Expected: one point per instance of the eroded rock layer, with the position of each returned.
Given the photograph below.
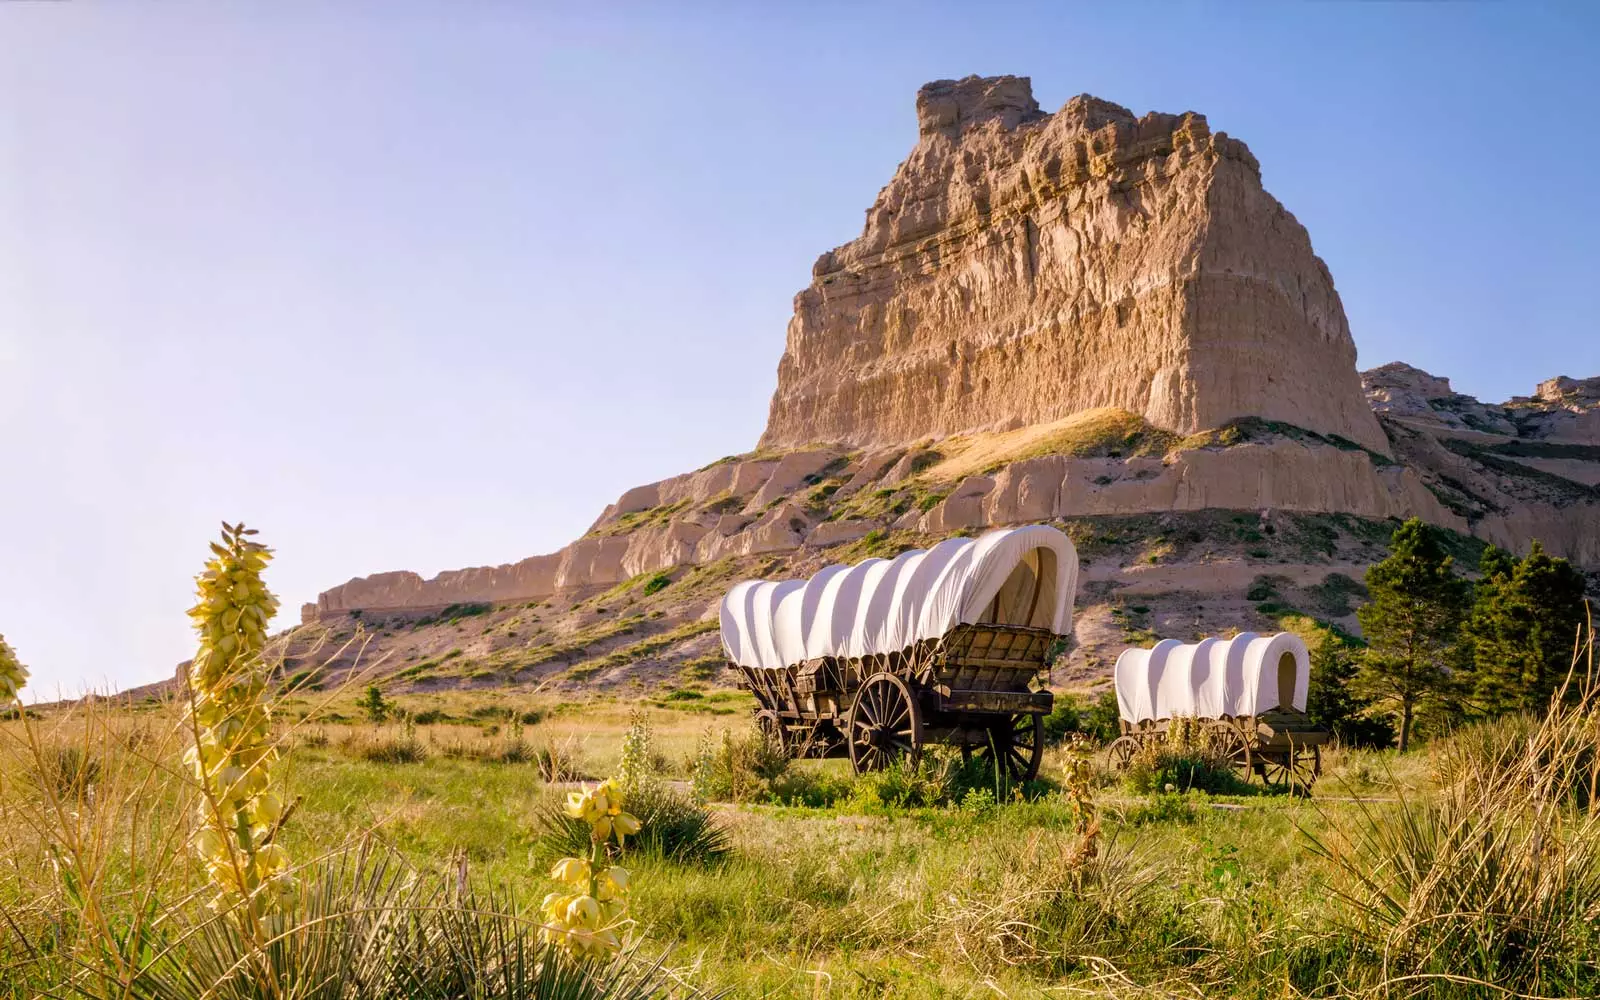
(1039, 308)
(1022, 266)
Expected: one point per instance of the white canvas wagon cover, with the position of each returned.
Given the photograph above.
(1248, 674)
(1015, 576)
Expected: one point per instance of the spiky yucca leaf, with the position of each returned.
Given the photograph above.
(368, 927)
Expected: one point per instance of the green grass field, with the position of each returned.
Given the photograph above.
(869, 895)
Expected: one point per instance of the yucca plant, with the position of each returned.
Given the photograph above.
(1492, 886)
(366, 926)
(677, 828)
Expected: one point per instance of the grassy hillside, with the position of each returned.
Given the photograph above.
(1181, 575)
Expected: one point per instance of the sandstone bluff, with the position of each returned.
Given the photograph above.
(1021, 267)
(1084, 317)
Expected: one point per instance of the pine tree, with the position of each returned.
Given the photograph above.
(1411, 624)
(1496, 683)
(1526, 615)
(1549, 602)
(1332, 701)
(374, 704)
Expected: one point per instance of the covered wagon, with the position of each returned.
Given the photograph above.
(1246, 694)
(876, 660)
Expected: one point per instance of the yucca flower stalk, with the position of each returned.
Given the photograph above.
(230, 716)
(586, 921)
(13, 675)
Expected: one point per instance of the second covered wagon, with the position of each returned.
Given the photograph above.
(950, 644)
(1247, 695)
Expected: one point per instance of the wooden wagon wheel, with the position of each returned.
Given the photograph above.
(1294, 769)
(1018, 743)
(1229, 744)
(1121, 752)
(773, 731)
(885, 722)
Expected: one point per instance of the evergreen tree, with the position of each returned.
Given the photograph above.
(1551, 597)
(1496, 682)
(1525, 620)
(1332, 701)
(1411, 624)
(374, 704)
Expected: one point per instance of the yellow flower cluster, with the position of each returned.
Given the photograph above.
(585, 919)
(230, 708)
(12, 674)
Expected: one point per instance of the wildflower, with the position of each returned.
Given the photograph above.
(12, 674)
(586, 922)
(230, 710)
(601, 808)
(573, 871)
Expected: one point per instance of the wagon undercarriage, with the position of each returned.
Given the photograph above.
(980, 688)
(1282, 748)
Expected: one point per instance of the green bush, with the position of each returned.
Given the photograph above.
(1098, 720)
(674, 827)
(799, 786)
(402, 749)
(738, 767)
(1185, 761)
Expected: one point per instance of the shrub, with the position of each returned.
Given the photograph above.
(801, 786)
(559, 761)
(513, 748)
(1489, 887)
(1185, 761)
(374, 928)
(70, 771)
(657, 583)
(737, 767)
(675, 828)
(402, 749)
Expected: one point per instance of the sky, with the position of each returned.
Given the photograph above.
(426, 285)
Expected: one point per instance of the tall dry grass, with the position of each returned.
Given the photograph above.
(103, 896)
(1491, 886)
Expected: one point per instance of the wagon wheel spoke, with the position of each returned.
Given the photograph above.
(1016, 764)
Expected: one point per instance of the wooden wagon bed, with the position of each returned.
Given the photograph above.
(981, 688)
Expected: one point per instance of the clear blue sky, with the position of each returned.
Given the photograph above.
(426, 285)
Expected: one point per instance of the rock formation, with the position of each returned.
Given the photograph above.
(1022, 270)
(1022, 266)
(1514, 471)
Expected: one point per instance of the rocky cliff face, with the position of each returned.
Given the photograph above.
(1511, 472)
(1083, 318)
(1021, 267)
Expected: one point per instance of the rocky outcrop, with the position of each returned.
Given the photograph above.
(1511, 472)
(1561, 410)
(1021, 267)
(729, 511)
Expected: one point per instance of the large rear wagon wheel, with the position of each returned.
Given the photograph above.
(885, 723)
(1018, 744)
(1230, 745)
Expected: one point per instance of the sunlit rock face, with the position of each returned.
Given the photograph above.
(1021, 266)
